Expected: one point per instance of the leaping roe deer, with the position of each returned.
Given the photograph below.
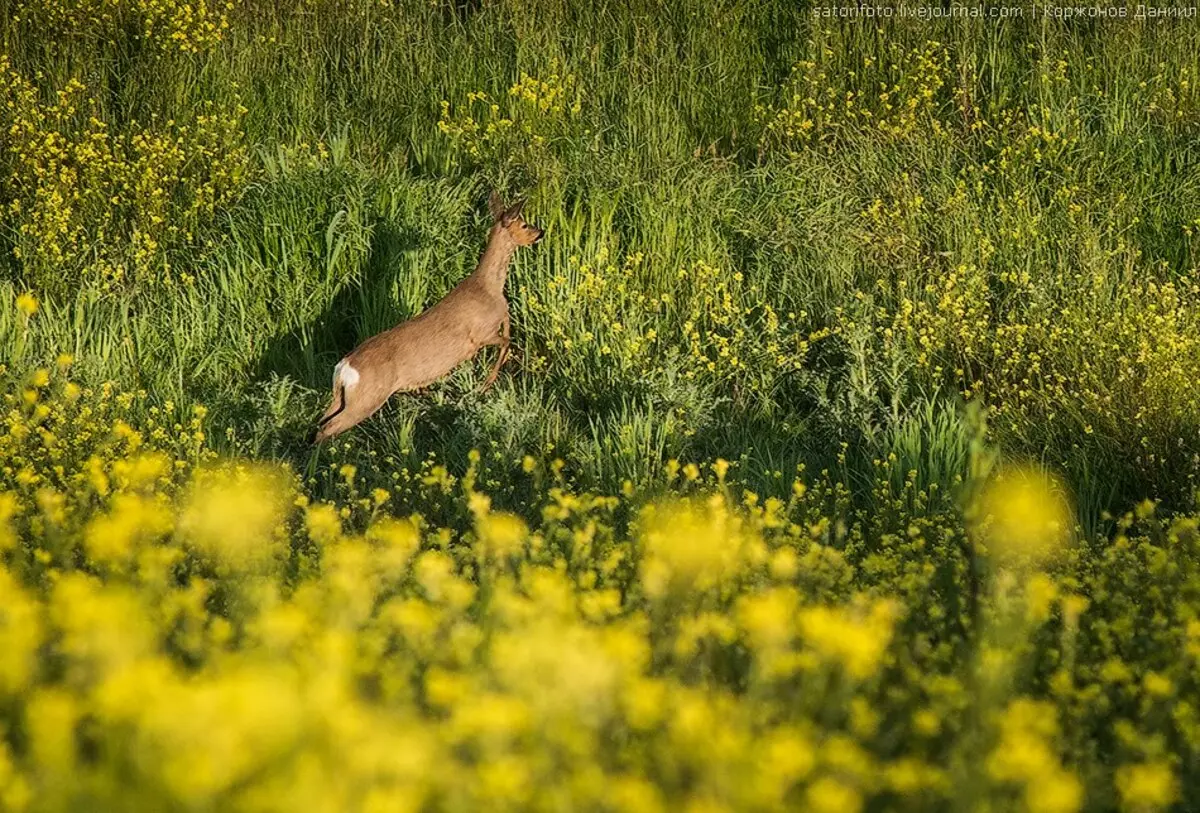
(416, 353)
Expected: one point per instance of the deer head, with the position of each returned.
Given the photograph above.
(510, 220)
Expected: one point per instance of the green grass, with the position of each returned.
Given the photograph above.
(867, 264)
(670, 157)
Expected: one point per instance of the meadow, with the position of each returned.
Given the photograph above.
(848, 462)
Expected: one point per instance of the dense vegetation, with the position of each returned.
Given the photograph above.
(849, 460)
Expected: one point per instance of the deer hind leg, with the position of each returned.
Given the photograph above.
(501, 339)
(335, 426)
(336, 407)
(343, 411)
(359, 407)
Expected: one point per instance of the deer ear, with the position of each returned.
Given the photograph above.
(514, 211)
(495, 205)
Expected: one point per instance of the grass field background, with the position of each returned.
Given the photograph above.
(863, 266)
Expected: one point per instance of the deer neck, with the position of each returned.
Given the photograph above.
(493, 265)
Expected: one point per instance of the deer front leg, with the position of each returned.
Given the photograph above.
(502, 340)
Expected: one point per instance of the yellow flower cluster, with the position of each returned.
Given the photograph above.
(1174, 98)
(701, 321)
(179, 631)
(1025, 756)
(188, 26)
(1024, 516)
(821, 104)
(86, 202)
(518, 129)
(1118, 368)
(381, 670)
(1147, 787)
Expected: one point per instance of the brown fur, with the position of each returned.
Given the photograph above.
(418, 352)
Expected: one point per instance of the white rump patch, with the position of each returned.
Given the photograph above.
(347, 374)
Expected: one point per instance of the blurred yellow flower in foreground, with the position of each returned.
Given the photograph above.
(235, 514)
(1150, 786)
(502, 534)
(174, 637)
(690, 546)
(855, 638)
(1023, 515)
(1025, 755)
(20, 636)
